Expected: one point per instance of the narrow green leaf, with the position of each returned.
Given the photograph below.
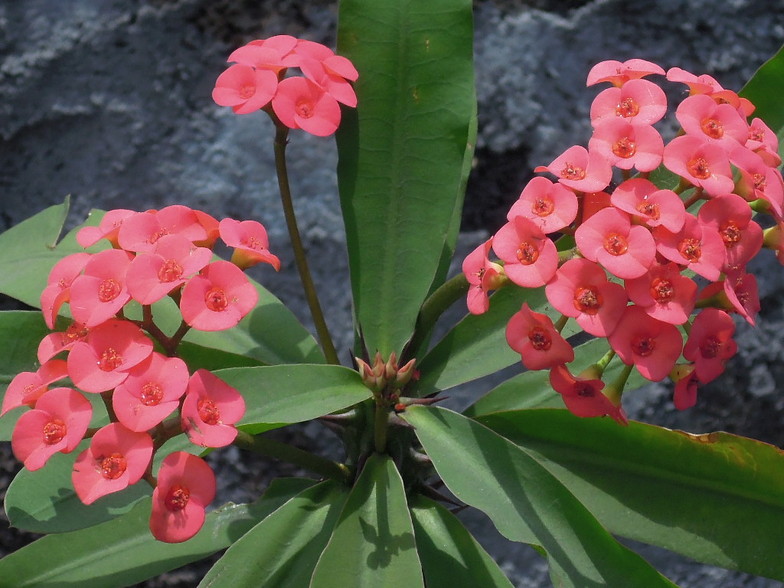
(373, 542)
(401, 153)
(716, 498)
(122, 552)
(765, 88)
(281, 551)
(294, 393)
(44, 501)
(525, 502)
(450, 555)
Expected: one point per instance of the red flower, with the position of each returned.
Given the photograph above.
(533, 336)
(618, 73)
(700, 247)
(701, 163)
(720, 124)
(186, 485)
(638, 101)
(218, 298)
(581, 290)
(580, 169)
(115, 459)
(649, 205)
(664, 293)
(151, 392)
(107, 229)
(244, 88)
(710, 343)
(626, 145)
(210, 410)
(101, 291)
(652, 346)
(141, 231)
(583, 396)
(27, 387)
(250, 243)
(551, 206)
(483, 275)
(530, 257)
(730, 215)
(56, 424)
(303, 104)
(58, 285)
(609, 237)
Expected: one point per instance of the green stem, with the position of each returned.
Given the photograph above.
(436, 304)
(306, 460)
(380, 425)
(281, 140)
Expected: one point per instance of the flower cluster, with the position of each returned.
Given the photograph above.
(257, 80)
(149, 394)
(630, 260)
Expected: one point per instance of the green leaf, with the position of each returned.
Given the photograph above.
(282, 550)
(122, 552)
(765, 88)
(402, 152)
(525, 502)
(450, 555)
(373, 542)
(716, 498)
(285, 394)
(44, 501)
(27, 253)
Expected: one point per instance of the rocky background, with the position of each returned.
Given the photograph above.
(109, 101)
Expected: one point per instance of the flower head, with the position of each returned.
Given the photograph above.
(218, 298)
(210, 410)
(302, 104)
(250, 243)
(534, 337)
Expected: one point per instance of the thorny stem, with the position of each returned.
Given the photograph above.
(306, 460)
(281, 140)
(380, 426)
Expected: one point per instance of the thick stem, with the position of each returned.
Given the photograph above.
(306, 460)
(380, 426)
(281, 140)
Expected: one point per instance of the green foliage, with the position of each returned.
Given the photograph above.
(402, 154)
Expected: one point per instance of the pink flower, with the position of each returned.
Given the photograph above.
(244, 88)
(764, 142)
(250, 243)
(608, 237)
(710, 343)
(649, 205)
(697, 246)
(218, 298)
(101, 291)
(534, 337)
(186, 485)
(701, 163)
(652, 346)
(581, 290)
(333, 83)
(151, 276)
(703, 84)
(583, 396)
(141, 231)
(115, 459)
(56, 424)
(742, 292)
(719, 124)
(102, 361)
(274, 53)
(758, 180)
(640, 102)
(151, 392)
(686, 381)
(618, 73)
(664, 293)
(106, 229)
(483, 276)
(210, 410)
(530, 257)
(27, 387)
(54, 343)
(580, 169)
(730, 215)
(58, 286)
(626, 145)
(302, 104)
(551, 206)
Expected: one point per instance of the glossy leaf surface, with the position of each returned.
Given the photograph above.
(402, 153)
(525, 502)
(717, 498)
